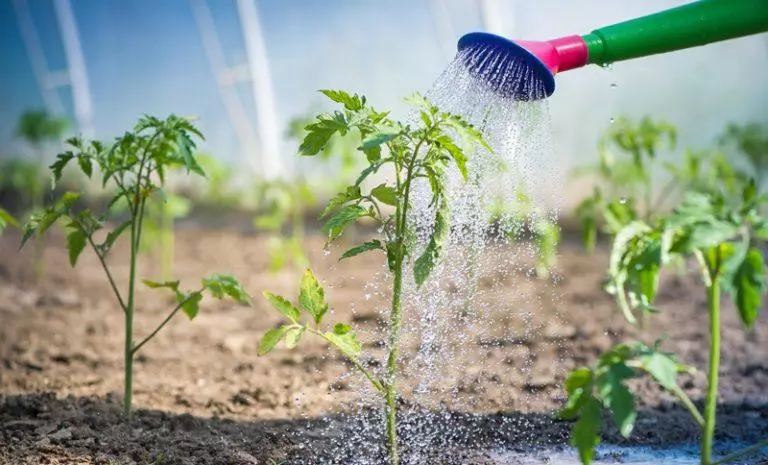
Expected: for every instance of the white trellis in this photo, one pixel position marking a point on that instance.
(74, 75)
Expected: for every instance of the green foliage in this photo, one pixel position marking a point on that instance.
(627, 152)
(136, 165)
(6, 220)
(38, 127)
(590, 389)
(286, 204)
(719, 230)
(751, 142)
(424, 150)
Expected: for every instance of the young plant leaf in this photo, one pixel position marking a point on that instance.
(585, 434)
(424, 265)
(271, 338)
(172, 285)
(221, 285)
(321, 131)
(748, 286)
(364, 247)
(76, 241)
(190, 303)
(617, 398)
(345, 340)
(293, 336)
(284, 306)
(336, 224)
(350, 102)
(350, 194)
(112, 236)
(312, 297)
(376, 139)
(385, 194)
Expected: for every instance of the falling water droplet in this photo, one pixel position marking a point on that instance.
(614, 85)
(327, 250)
(623, 200)
(367, 296)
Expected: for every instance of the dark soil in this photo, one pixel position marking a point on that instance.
(203, 396)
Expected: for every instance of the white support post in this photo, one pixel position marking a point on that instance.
(263, 92)
(78, 76)
(47, 86)
(226, 79)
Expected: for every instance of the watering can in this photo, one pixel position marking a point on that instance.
(525, 70)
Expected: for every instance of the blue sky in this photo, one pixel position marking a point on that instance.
(147, 57)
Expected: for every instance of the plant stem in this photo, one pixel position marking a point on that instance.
(713, 301)
(128, 355)
(689, 405)
(741, 453)
(108, 273)
(165, 321)
(394, 335)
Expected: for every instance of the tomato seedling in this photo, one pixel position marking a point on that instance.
(425, 150)
(136, 165)
(719, 230)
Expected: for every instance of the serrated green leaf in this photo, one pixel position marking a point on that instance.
(350, 102)
(271, 338)
(617, 398)
(748, 286)
(190, 304)
(456, 153)
(662, 367)
(284, 306)
(346, 342)
(585, 434)
(221, 285)
(321, 131)
(378, 138)
(336, 224)
(86, 165)
(385, 194)
(293, 336)
(350, 194)
(709, 234)
(341, 329)
(76, 240)
(312, 296)
(173, 285)
(61, 162)
(364, 247)
(424, 265)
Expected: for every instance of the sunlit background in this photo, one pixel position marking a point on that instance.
(247, 67)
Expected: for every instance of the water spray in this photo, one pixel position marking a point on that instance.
(525, 70)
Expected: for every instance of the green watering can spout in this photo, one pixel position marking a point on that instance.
(524, 70)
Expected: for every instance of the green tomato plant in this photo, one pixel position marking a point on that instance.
(286, 204)
(135, 165)
(716, 229)
(39, 130)
(545, 232)
(422, 151)
(624, 172)
(750, 141)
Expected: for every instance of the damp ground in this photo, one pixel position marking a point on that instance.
(203, 396)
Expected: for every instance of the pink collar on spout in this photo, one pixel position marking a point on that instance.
(560, 54)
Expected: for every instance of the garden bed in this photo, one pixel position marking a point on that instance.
(204, 396)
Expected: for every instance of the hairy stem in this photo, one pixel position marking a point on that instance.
(713, 301)
(741, 453)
